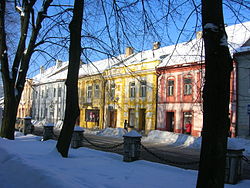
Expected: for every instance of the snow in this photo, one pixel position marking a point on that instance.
(193, 51)
(242, 49)
(132, 133)
(223, 40)
(181, 54)
(49, 125)
(77, 128)
(157, 136)
(173, 139)
(32, 163)
(112, 132)
(170, 138)
(212, 27)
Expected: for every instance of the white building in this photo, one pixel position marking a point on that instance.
(242, 57)
(49, 93)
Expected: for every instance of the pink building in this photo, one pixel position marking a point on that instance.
(180, 98)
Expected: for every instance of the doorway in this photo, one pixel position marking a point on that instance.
(170, 121)
(187, 119)
(112, 118)
(142, 119)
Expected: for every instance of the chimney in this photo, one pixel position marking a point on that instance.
(156, 45)
(199, 34)
(58, 63)
(42, 69)
(129, 51)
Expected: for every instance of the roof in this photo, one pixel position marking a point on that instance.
(182, 53)
(193, 51)
(52, 74)
(100, 66)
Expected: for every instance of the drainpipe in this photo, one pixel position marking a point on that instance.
(237, 98)
(156, 104)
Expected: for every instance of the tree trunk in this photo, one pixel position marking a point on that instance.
(216, 94)
(14, 80)
(10, 102)
(10, 110)
(72, 107)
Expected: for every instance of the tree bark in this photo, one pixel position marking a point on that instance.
(216, 95)
(72, 107)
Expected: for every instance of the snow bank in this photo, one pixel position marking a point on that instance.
(31, 163)
(59, 124)
(112, 132)
(239, 143)
(18, 134)
(37, 123)
(170, 138)
(88, 131)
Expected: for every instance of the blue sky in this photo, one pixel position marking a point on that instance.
(111, 33)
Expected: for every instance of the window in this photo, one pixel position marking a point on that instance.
(188, 85)
(47, 93)
(97, 91)
(45, 112)
(143, 88)
(132, 90)
(42, 93)
(92, 115)
(112, 91)
(170, 88)
(59, 92)
(54, 92)
(89, 92)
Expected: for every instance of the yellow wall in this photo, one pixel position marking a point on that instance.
(24, 107)
(95, 102)
(122, 102)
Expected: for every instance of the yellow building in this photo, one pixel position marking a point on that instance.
(131, 92)
(91, 99)
(25, 105)
(91, 86)
(124, 89)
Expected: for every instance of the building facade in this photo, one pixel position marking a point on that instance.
(179, 98)
(130, 96)
(91, 101)
(159, 88)
(25, 105)
(49, 93)
(242, 58)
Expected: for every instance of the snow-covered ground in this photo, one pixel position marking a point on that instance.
(27, 162)
(162, 137)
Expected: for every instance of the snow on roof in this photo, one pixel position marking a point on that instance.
(52, 74)
(100, 66)
(193, 51)
(182, 53)
(243, 49)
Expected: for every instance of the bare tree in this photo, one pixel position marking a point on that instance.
(72, 108)
(14, 77)
(216, 93)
